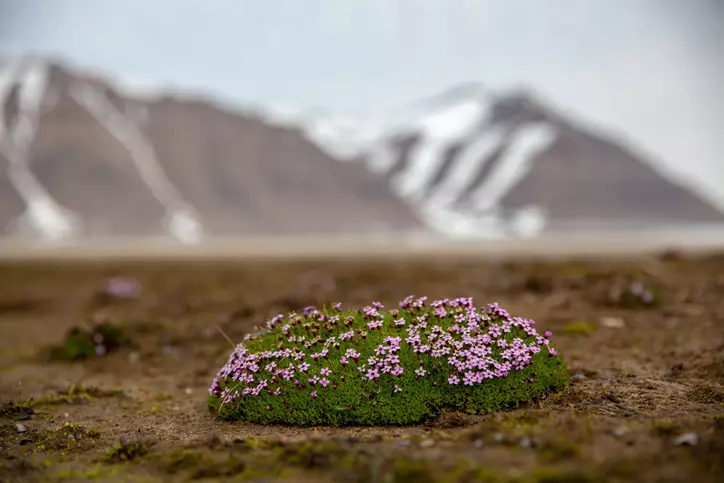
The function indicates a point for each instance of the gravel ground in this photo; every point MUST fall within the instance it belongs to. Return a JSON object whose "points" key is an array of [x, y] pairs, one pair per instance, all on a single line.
{"points": [[643, 337]]}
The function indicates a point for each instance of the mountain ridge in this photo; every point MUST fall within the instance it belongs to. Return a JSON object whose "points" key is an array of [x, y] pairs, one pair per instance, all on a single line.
{"points": [[93, 137], [464, 163], [594, 151]]}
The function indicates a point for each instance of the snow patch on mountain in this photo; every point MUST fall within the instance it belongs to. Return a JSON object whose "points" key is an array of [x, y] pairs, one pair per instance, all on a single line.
{"points": [[461, 118], [43, 215], [181, 220], [528, 141]]}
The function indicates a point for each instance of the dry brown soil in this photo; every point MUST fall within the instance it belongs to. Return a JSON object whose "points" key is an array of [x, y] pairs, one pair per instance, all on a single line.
{"points": [[646, 381]]}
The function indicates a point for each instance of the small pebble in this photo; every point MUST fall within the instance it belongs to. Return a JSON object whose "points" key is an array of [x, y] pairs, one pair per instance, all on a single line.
{"points": [[526, 443], [24, 415], [620, 431], [478, 443], [687, 439], [578, 376], [427, 443], [20, 428], [499, 438], [134, 357], [188, 390], [612, 322]]}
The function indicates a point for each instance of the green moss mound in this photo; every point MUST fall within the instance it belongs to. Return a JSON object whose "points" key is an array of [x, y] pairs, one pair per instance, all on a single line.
{"points": [[375, 367]]}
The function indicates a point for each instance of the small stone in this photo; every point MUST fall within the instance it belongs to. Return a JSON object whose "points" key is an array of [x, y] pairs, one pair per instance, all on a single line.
{"points": [[134, 357], [188, 390], [20, 428], [612, 322], [499, 438], [478, 443], [620, 431], [427, 443], [526, 443], [687, 439], [25, 414], [578, 376], [604, 377], [99, 318]]}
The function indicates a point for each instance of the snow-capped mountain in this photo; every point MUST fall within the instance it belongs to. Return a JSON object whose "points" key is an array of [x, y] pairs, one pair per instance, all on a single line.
{"points": [[79, 156], [473, 162]]}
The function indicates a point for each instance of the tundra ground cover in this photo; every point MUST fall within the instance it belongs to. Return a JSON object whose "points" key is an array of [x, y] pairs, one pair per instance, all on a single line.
{"points": [[644, 402]]}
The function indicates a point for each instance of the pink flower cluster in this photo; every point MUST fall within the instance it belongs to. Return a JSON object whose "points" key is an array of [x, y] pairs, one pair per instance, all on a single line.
{"points": [[467, 345]]}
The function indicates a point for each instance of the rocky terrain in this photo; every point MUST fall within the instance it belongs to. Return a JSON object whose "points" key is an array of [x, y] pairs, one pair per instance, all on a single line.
{"points": [[81, 156], [106, 378]]}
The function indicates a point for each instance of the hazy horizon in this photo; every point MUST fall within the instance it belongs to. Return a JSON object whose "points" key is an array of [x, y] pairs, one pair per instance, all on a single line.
{"points": [[648, 71]]}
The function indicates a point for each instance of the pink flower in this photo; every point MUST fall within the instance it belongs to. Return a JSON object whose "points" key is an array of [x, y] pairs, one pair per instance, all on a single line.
{"points": [[471, 344]]}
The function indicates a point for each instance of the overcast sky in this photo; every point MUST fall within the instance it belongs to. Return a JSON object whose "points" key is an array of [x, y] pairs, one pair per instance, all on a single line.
{"points": [[651, 71]]}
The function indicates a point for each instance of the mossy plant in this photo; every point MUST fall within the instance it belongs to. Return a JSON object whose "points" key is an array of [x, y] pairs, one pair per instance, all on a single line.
{"points": [[579, 327], [20, 411], [125, 452], [68, 437], [374, 367], [75, 394], [84, 342]]}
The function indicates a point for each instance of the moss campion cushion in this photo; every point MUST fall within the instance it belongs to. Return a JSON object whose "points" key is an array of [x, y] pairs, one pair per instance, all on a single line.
{"points": [[374, 367]]}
